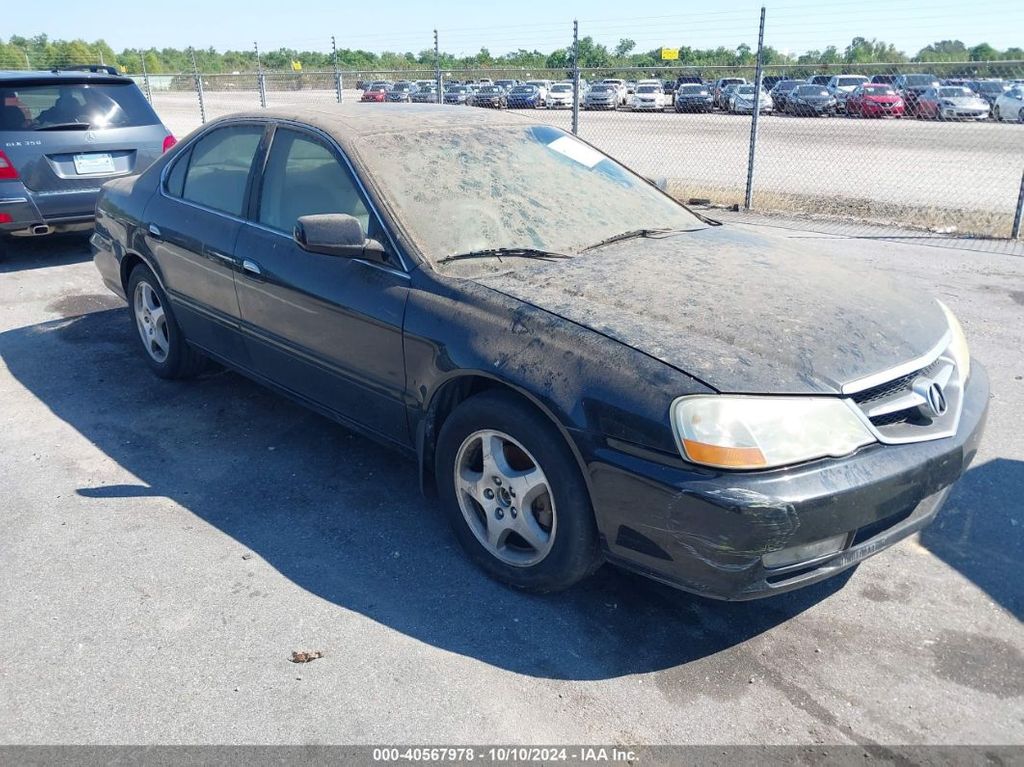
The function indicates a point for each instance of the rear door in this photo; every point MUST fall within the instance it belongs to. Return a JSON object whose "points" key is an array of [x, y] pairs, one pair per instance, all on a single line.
{"points": [[68, 134], [191, 226], [325, 327]]}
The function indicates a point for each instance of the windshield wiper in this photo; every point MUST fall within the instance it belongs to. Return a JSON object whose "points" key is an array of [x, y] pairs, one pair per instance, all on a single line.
{"points": [[66, 126], [633, 234], [500, 253]]}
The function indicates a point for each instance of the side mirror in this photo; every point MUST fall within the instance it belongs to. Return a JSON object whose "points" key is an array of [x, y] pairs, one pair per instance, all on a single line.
{"points": [[337, 234]]}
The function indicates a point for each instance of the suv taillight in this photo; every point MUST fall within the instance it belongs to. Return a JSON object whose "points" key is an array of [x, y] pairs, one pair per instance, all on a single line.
{"points": [[169, 141], [7, 170]]}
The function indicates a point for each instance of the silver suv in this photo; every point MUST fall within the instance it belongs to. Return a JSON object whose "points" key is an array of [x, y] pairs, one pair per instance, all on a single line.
{"points": [[62, 134]]}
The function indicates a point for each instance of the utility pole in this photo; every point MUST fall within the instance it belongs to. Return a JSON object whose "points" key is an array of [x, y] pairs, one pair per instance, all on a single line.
{"points": [[337, 72], [437, 69], [145, 77], [199, 85], [1015, 232], [261, 83], [748, 198], [575, 77]]}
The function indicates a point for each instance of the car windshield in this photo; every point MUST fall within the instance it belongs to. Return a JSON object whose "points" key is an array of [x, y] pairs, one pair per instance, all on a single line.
{"points": [[457, 89], [953, 92], [693, 90], [811, 90], [879, 90], [991, 87], [561, 89], [524, 89], [78, 106], [403, 87], [844, 82], [536, 83], [745, 90], [918, 81], [649, 89], [490, 89], [602, 89], [521, 187]]}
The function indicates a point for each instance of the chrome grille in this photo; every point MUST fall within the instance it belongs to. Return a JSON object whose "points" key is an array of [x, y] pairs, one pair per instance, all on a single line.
{"points": [[898, 412]]}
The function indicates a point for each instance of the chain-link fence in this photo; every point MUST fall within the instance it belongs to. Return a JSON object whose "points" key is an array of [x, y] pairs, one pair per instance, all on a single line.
{"points": [[923, 145]]}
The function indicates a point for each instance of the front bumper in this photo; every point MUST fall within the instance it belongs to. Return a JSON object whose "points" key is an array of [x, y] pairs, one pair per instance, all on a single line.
{"points": [[955, 113], [706, 531]]}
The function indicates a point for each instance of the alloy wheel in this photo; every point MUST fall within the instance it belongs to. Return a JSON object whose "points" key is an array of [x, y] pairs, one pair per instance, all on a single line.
{"points": [[151, 321], [505, 498]]}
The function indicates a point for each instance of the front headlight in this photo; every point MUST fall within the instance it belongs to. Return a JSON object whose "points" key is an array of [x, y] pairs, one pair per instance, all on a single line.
{"points": [[761, 432], [958, 346]]}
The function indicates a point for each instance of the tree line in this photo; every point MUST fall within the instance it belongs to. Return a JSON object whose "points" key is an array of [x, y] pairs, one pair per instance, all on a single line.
{"points": [[40, 52]]}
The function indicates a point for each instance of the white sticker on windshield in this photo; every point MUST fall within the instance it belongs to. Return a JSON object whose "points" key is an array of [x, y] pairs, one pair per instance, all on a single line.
{"points": [[576, 150]]}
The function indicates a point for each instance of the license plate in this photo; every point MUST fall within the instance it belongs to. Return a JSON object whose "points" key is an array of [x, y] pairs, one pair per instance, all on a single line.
{"points": [[89, 164]]}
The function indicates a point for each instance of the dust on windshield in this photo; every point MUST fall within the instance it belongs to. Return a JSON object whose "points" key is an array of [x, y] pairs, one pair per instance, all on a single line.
{"points": [[470, 188]]}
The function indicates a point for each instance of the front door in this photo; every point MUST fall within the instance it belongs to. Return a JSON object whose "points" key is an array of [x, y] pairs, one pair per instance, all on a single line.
{"points": [[328, 328]]}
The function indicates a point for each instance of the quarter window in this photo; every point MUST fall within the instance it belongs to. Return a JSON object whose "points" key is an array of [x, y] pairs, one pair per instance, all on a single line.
{"points": [[219, 168], [303, 177]]}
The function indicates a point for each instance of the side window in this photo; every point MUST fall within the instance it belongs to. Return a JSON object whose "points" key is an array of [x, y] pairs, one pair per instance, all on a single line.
{"points": [[303, 177], [219, 168], [176, 178]]}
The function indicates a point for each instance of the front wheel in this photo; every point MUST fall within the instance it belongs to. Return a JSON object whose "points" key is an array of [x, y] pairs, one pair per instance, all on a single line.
{"points": [[164, 347], [514, 494]]}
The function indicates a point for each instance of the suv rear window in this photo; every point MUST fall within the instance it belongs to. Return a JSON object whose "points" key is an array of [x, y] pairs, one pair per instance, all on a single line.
{"points": [[73, 106]]}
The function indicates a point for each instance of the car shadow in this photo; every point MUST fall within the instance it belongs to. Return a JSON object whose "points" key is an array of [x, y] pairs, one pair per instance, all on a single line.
{"points": [[19, 254], [344, 519], [980, 531]]}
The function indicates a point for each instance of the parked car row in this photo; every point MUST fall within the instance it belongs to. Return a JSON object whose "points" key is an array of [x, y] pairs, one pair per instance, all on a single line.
{"points": [[911, 95]]}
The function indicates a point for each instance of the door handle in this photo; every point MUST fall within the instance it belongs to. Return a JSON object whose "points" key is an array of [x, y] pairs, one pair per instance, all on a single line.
{"points": [[251, 266], [154, 231], [217, 254]]}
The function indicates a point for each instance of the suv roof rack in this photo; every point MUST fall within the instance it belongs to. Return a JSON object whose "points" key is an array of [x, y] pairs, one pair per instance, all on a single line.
{"points": [[94, 68]]}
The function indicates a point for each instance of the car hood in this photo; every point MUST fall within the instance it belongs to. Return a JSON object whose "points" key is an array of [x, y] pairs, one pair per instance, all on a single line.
{"points": [[965, 101], [742, 312]]}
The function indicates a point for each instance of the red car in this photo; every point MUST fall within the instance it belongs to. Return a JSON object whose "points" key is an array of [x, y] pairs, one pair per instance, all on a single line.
{"points": [[874, 100], [375, 94]]}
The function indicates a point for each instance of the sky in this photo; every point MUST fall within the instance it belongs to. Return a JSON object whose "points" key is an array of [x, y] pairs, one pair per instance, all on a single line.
{"points": [[792, 26]]}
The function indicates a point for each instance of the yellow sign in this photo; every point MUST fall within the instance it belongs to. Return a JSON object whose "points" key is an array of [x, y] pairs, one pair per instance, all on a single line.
{"points": [[669, 54], [297, 65]]}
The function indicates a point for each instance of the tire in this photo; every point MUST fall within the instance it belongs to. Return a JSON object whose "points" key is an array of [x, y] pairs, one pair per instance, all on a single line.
{"points": [[1020, 116], [166, 351], [561, 519], [995, 114]]}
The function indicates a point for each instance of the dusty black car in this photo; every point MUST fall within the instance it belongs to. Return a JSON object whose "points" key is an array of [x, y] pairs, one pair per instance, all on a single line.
{"points": [[585, 370], [693, 98]]}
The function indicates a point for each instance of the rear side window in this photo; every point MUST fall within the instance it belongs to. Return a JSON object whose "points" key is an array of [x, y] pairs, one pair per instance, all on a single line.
{"points": [[218, 170], [73, 106], [303, 178]]}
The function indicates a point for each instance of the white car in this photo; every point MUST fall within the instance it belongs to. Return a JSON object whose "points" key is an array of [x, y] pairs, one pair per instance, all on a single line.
{"points": [[742, 100], [1010, 105], [648, 98], [841, 86], [560, 96], [543, 86]]}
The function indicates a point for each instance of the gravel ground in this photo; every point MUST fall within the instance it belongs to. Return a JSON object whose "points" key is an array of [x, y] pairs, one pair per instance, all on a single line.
{"points": [[942, 175], [167, 546]]}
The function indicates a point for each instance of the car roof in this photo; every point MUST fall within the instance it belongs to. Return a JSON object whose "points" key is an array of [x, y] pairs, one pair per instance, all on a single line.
{"points": [[346, 121], [73, 77]]}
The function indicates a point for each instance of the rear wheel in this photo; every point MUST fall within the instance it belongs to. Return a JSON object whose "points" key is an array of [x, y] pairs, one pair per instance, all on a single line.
{"points": [[514, 494], [164, 347]]}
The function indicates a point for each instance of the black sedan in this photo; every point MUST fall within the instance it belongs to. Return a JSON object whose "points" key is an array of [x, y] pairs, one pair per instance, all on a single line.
{"points": [[584, 369], [489, 96], [810, 101], [693, 98]]}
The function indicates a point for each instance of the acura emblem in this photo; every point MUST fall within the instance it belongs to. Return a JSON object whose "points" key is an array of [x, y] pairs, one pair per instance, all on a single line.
{"points": [[934, 404]]}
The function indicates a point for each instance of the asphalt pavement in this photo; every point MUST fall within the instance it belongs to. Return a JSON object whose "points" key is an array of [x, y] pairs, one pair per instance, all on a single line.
{"points": [[165, 547]]}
